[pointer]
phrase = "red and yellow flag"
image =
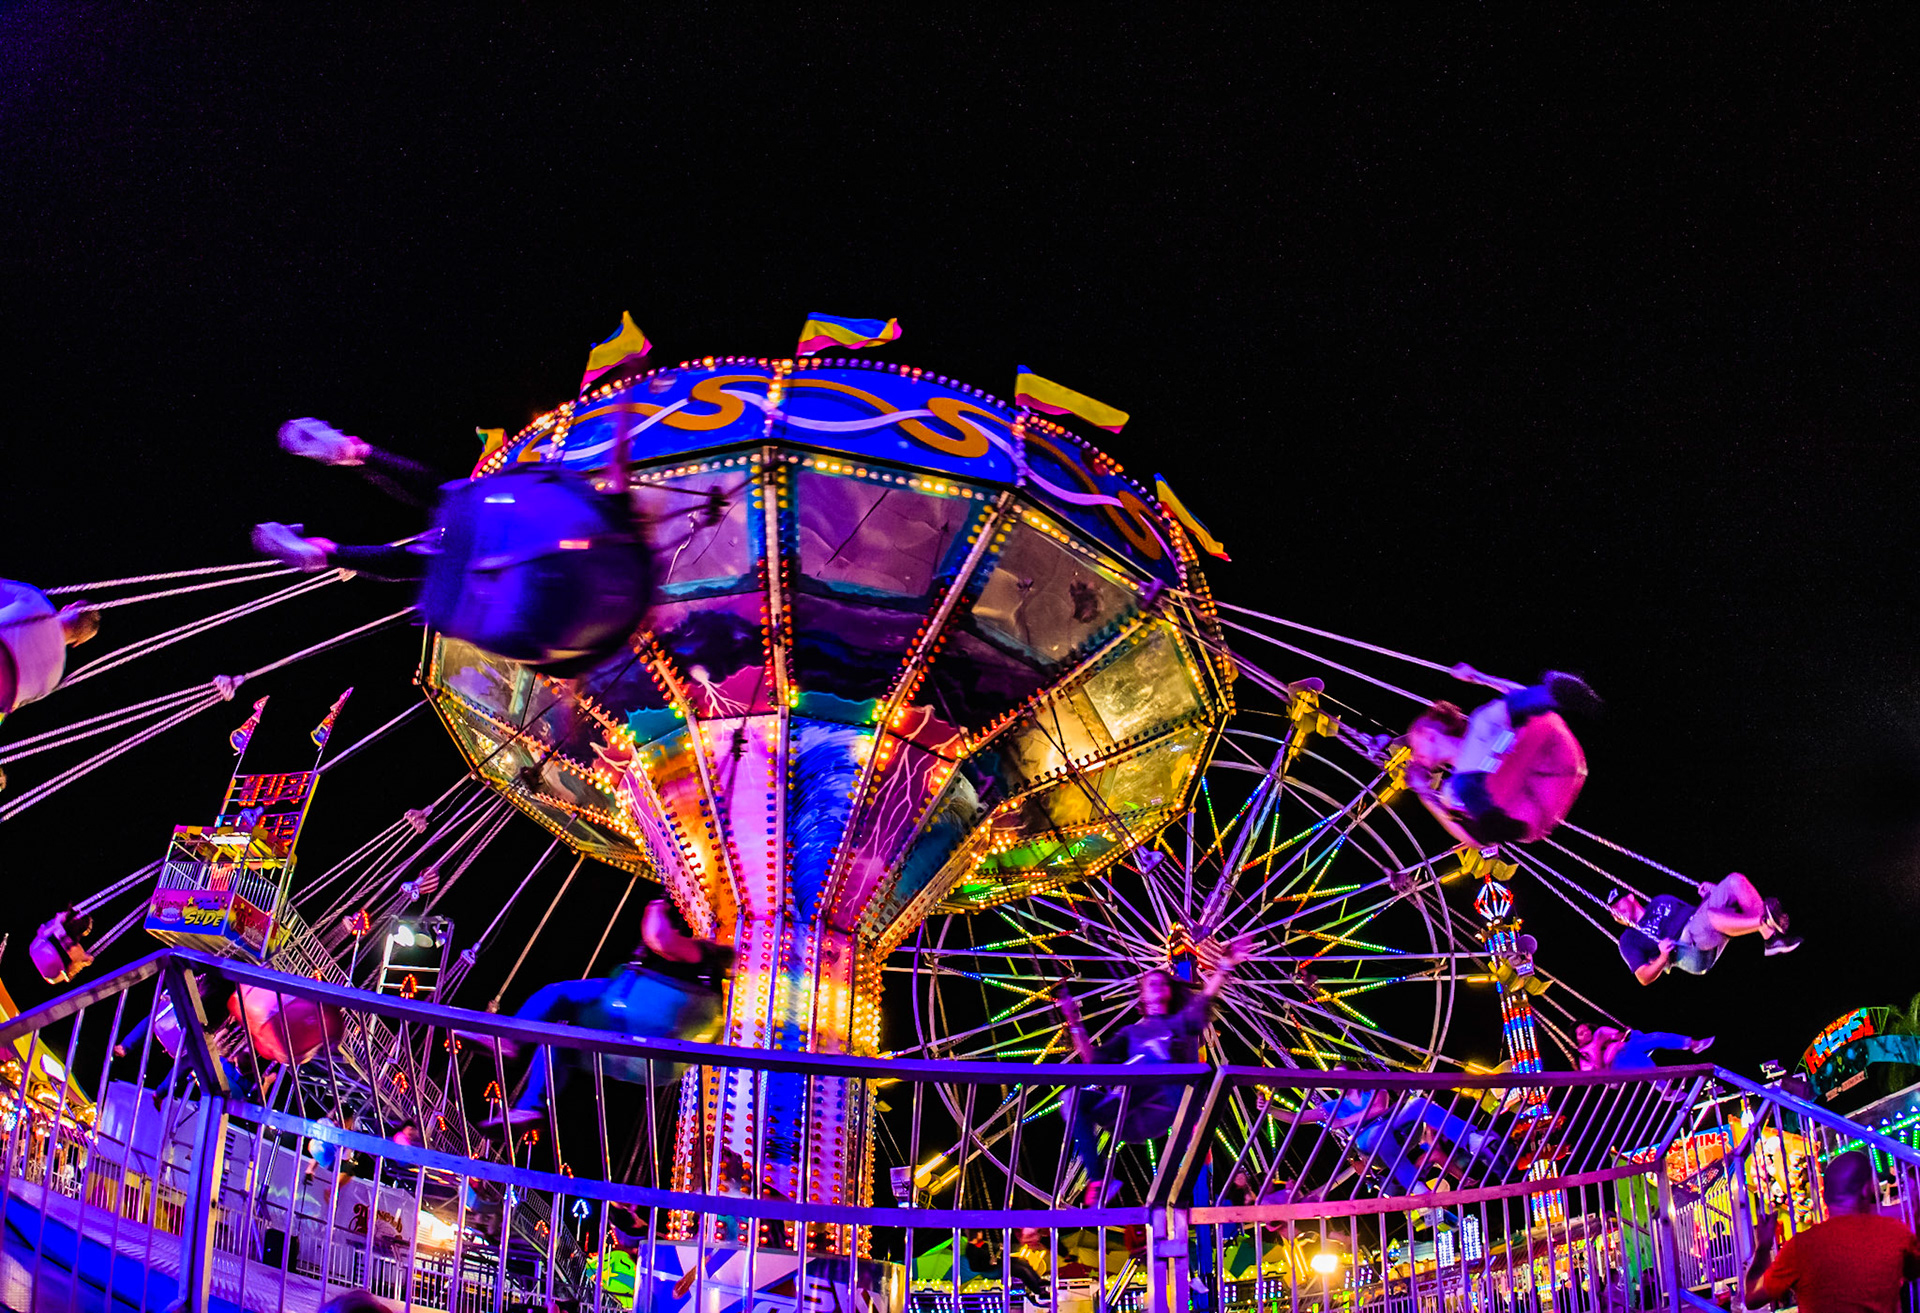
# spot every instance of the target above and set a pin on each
(627, 343)
(1208, 543)
(244, 735)
(823, 332)
(324, 730)
(1029, 389)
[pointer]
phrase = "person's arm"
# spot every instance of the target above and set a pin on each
(1430, 796)
(1466, 674)
(1237, 952)
(1076, 1030)
(1648, 972)
(131, 1040)
(1769, 1278)
(657, 929)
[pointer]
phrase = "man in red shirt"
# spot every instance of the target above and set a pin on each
(1854, 1262)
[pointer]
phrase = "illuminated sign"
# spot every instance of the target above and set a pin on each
(1857, 1024)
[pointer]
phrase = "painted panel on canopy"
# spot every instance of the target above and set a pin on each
(670, 860)
(902, 786)
(703, 409)
(745, 775)
(849, 649)
(1064, 728)
(875, 414)
(1048, 600)
(867, 537)
(824, 761)
(971, 682)
(952, 819)
(917, 723)
(1131, 531)
(675, 775)
(1144, 685)
(491, 682)
(700, 529)
(720, 635)
(622, 684)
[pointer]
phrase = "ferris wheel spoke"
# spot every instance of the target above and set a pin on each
(1374, 1031)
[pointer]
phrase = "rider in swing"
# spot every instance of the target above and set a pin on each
(1172, 1024)
(1668, 932)
(670, 989)
(1509, 771)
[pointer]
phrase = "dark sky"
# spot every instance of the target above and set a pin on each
(1584, 343)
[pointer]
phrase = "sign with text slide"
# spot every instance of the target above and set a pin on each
(209, 914)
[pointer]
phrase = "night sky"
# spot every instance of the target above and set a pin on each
(1587, 343)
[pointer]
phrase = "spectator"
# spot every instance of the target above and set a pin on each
(1854, 1262)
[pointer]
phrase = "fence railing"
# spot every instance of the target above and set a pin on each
(1234, 1188)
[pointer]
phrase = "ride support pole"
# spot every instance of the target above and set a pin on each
(196, 1231)
(1167, 1260)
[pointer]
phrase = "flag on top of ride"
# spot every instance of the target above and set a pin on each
(627, 343)
(822, 332)
(1029, 389)
(324, 730)
(491, 440)
(244, 735)
(1208, 543)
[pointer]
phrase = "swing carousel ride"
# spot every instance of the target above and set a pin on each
(930, 715)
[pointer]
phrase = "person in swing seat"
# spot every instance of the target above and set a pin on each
(669, 989)
(1509, 771)
(1172, 1025)
(1668, 933)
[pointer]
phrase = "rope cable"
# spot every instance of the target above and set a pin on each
(618, 908)
(381, 875)
(102, 723)
(98, 584)
(180, 633)
(48, 788)
(1327, 662)
(191, 588)
(117, 888)
(500, 819)
(1596, 869)
(224, 686)
(371, 738)
(1338, 638)
(505, 985)
(1628, 852)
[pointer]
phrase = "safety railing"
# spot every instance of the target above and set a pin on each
(1233, 1188)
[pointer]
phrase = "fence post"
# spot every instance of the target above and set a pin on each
(203, 1197)
(1740, 1221)
(1167, 1261)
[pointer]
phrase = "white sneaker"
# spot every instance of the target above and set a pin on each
(318, 440)
(283, 544)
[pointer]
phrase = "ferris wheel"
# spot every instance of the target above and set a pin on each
(1355, 956)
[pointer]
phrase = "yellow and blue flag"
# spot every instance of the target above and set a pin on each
(324, 730)
(1208, 543)
(491, 440)
(1029, 389)
(627, 343)
(822, 332)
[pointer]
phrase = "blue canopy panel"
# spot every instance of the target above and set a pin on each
(861, 409)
